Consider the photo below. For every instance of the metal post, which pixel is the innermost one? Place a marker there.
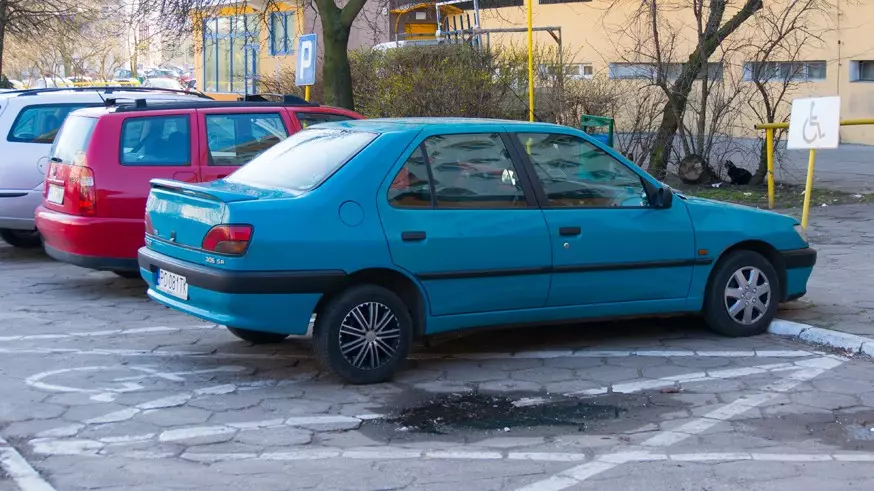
(530, 60)
(769, 148)
(306, 93)
(808, 190)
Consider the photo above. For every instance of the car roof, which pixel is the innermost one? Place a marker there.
(130, 106)
(396, 125)
(42, 96)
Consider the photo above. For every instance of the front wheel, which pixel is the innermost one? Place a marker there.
(257, 337)
(24, 239)
(743, 295)
(363, 335)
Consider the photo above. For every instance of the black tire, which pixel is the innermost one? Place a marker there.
(23, 239)
(257, 337)
(128, 275)
(383, 353)
(724, 289)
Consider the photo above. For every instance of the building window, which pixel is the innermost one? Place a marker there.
(650, 71)
(282, 31)
(776, 71)
(230, 54)
(862, 71)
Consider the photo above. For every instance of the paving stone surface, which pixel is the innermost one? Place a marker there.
(103, 389)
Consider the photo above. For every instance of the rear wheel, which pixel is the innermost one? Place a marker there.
(743, 295)
(363, 335)
(257, 337)
(25, 239)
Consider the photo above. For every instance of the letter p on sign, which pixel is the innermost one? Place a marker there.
(306, 60)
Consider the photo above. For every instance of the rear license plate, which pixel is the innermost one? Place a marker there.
(56, 194)
(173, 284)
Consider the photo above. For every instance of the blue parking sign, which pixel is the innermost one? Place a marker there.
(306, 60)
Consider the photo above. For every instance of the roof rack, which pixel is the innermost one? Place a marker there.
(133, 105)
(109, 90)
(287, 99)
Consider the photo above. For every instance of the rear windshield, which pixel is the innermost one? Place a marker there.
(303, 161)
(73, 138)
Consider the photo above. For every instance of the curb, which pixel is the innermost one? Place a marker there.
(857, 345)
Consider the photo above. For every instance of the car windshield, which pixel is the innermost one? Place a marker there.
(303, 161)
(73, 138)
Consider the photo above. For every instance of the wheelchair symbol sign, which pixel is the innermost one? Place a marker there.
(815, 123)
(305, 71)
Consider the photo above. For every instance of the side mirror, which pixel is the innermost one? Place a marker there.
(659, 197)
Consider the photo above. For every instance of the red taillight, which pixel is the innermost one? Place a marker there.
(150, 230)
(84, 192)
(232, 240)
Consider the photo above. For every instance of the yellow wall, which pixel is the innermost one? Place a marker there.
(268, 65)
(591, 34)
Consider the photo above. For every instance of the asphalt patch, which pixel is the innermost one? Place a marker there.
(450, 413)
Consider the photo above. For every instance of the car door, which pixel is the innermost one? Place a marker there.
(609, 245)
(456, 217)
(230, 139)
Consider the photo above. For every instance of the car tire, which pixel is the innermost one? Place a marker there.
(257, 337)
(23, 239)
(363, 335)
(128, 275)
(733, 305)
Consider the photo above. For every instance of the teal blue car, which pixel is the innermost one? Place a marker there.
(377, 233)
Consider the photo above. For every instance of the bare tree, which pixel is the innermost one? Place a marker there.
(774, 61)
(19, 18)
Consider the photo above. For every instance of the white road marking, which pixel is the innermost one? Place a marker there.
(663, 439)
(24, 475)
(111, 332)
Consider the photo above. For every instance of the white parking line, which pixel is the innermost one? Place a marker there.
(24, 475)
(662, 439)
(111, 332)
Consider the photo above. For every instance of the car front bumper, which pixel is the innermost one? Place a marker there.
(799, 265)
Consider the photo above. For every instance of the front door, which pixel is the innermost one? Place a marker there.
(456, 218)
(608, 244)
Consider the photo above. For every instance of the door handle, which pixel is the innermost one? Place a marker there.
(412, 236)
(568, 231)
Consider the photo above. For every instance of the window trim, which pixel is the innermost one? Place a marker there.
(12, 139)
(540, 192)
(804, 76)
(209, 160)
(528, 188)
(125, 122)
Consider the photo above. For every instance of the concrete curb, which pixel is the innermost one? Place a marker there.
(827, 337)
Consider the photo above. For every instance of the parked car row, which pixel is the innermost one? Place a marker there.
(372, 234)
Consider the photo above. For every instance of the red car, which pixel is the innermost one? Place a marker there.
(103, 159)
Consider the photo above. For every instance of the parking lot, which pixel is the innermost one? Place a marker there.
(103, 389)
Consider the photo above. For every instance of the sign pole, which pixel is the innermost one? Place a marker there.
(530, 61)
(306, 96)
(808, 188)
(769, 147)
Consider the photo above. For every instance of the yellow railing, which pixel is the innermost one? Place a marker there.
(110, 83)
(769, 142)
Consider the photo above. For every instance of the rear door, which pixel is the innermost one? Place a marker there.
(232, 138)
(28, 142)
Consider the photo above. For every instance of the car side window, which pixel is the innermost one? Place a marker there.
(473, 171)
(411, 187)
(235, 139)
(156, 141)
(577, 174)
(308, 119)
(40, 124)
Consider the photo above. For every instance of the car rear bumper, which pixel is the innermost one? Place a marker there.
(108, 244)
(17, 208)
(270, 301)
(799, 265)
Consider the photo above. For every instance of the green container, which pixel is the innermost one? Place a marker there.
(598, 127)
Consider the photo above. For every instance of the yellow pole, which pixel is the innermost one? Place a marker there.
(808, 188)
(769, 139)
(530, 61)
(306, 93)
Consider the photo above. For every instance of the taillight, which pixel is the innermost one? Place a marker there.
(232, 240)
(150, 230)
(85, 194)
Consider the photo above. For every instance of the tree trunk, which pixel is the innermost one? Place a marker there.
(337, 74)
(4, 6)
(762, 171)
(678, 97)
